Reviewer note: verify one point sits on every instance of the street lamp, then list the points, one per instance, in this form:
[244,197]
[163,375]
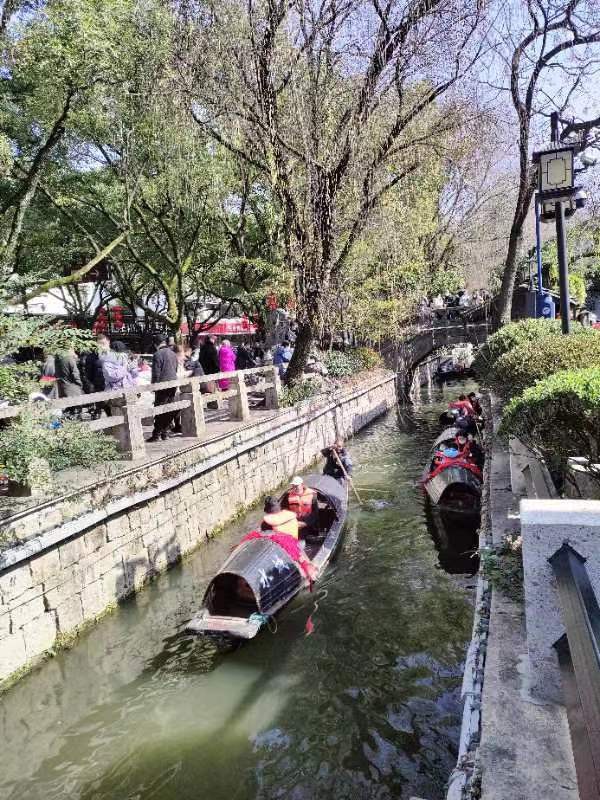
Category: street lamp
[556,175]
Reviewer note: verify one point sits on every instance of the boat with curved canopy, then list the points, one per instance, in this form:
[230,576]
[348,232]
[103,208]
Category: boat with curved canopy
[262,573]
[452,481]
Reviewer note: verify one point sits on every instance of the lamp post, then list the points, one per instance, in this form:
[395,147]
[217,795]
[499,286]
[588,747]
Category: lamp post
[555,188]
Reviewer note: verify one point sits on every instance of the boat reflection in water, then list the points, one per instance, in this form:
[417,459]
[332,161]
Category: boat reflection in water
[456,538]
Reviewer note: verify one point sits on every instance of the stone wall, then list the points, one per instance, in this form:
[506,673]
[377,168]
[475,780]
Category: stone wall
[76,556]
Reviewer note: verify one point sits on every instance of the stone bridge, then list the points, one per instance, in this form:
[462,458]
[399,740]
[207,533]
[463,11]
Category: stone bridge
[448,328]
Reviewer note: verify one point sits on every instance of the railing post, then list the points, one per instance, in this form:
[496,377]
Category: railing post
[130,435]
[238,405]
[272,392]
[192,418]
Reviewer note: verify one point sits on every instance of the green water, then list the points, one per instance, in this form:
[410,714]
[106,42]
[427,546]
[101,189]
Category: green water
[367,706]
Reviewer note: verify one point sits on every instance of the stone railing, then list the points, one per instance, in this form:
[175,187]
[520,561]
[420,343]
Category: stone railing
[130,408]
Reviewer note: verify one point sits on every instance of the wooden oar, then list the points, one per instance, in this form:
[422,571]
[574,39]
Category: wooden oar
[348,478]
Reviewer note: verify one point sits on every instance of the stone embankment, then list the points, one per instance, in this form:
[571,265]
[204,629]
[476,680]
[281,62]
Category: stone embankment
[74,557]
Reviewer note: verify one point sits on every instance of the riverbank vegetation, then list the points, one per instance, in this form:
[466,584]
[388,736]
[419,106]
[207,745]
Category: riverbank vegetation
[550,392]
[559,417]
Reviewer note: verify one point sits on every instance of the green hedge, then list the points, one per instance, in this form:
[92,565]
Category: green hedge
[531,361]
[559,416]
[509,336]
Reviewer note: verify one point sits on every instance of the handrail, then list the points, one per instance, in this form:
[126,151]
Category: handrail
[579,659]
[126,422]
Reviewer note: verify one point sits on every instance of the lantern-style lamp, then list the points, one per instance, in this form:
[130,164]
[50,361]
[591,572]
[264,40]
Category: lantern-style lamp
[556,175]
[556,171]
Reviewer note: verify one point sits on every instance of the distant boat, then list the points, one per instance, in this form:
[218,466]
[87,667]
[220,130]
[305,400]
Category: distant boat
[455,484]
[259,578]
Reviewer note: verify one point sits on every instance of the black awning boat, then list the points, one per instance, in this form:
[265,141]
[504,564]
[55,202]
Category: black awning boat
[453,482]
[260,576]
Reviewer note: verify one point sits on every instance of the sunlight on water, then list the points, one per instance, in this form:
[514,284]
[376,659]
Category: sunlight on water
[365,707]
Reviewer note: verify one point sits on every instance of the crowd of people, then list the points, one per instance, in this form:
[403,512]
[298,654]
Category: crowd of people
[112,366]
[439,306]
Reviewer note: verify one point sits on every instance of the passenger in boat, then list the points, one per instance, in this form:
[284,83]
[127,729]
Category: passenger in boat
[476,453]
[465,422]
[474,400]
[463,404]
[334,455]
[303,501]
[463,443]
[282,520]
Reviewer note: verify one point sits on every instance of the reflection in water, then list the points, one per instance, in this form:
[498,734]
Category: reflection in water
[456,539]
[367,706]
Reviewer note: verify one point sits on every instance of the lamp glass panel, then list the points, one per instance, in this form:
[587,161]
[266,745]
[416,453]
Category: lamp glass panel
[556,171]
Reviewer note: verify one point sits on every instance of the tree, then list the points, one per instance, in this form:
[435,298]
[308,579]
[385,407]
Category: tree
[558,39]
[57,62]
[330,103]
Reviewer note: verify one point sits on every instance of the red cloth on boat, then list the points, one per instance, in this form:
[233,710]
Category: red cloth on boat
[457,461]
[287,543]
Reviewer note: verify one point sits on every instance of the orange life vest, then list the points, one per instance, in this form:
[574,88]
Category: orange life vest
[283,521]
[301,503]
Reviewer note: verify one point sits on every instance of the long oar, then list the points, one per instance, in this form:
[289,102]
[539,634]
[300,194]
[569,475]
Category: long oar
[348,478]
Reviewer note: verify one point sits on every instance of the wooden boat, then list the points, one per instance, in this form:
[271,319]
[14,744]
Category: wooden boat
[449,370]
[455,486]
[259,578]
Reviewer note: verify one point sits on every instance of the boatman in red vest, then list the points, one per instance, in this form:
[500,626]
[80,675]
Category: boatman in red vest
[303,501]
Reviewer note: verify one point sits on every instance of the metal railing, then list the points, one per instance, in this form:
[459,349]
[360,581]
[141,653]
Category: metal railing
[130,408]
[579,659]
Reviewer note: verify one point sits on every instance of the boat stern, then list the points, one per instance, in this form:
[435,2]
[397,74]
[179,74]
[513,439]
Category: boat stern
[236,627]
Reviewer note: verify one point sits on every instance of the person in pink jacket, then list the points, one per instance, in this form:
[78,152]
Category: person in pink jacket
[226,362]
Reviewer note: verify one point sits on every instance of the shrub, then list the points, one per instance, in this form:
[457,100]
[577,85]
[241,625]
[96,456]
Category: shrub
[298,392]
[559,417]
[502,565]
[32,437]
[340,364]
[511,335]
[527,363]
[367,358]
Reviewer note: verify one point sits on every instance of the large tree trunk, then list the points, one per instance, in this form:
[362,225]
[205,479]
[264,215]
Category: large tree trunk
[304,340]
[503,305]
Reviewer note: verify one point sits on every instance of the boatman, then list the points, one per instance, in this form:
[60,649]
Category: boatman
[278,519]
[303,501]
[334,455]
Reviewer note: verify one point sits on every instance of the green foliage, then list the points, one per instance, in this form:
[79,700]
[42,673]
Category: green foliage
[299,392]
[367,358]
[17,381]
[18,333]
[510,336]
[340,364]
[527,363]
[559,417]
[31,437]
[502,565]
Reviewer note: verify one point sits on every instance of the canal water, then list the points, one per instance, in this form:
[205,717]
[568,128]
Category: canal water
[365,706]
